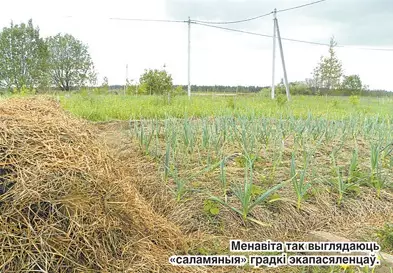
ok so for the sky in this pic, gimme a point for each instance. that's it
(218, 57)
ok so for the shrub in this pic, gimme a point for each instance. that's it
(354, 100)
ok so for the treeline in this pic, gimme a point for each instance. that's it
(223, 88)
(301, 88)
(295, 88)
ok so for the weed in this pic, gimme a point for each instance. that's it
(231, 103)
(354, 100)
(385, 237)
(211, 208)
(281, 100)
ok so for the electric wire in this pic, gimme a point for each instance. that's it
(233, 22)
(289, 39)
(301, 6)
(256, 17)
(148, 20)
(142, 20)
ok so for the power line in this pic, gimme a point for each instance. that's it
(233, 22)
(256, 17)
(289, 39)
(142, 20)
(232, 29)
(301, 6)
(211, 22)
(148, 20)
(259, 34)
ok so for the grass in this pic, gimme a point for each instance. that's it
(119, 107)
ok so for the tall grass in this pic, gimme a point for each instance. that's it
(120, 107)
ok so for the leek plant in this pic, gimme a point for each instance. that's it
(376, 180)
(244, 195)
(299, 184)
(342, 187)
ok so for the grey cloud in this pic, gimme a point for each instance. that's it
(354, 22)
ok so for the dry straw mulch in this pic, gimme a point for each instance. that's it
(65, 207)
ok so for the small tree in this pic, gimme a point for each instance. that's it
(329, 71)
(352, 83)
(156, 82)
(70, 63)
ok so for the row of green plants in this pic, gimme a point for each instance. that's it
(211, 145)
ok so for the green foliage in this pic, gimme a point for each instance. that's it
(242, 161)
(256, 190)
(265, 92)
(354, 100)
(281, 100)
(231, 103)
(223, 177)
(245, 196)
(178, 91)
(335, 103)
(354, 173)
(105, 85)
(376, 180)
(211, 207)
(156, 82)
(385, 237)
(341, 186)
(23, 56)
(299, 184)
(24, 91)
(352, 83)
(111, 106)
(329, 71)
(70, 64)
(297, 88)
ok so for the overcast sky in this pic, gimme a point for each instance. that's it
(217, 56)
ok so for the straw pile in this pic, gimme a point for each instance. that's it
(64, 206)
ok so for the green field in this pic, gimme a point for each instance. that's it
(120, 107)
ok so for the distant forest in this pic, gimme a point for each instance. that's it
(295, 88)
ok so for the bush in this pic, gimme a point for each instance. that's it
(354, 100)
(24, 91)
(281, 100)
(156, 82)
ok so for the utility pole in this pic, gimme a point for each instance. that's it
(189, 57)
(283, 61)
(274, 50)
(126, 85)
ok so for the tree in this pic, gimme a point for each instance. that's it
(156, 82)
(352, 83)
(329, 71)
(23, 56)
(70, 64)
